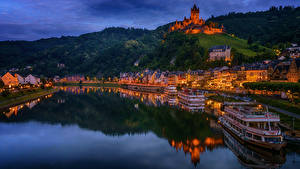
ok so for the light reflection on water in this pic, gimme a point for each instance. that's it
(70, 146)
(96, 128)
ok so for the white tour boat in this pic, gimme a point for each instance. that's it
(191, 99)
(253, 125)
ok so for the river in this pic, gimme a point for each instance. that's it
(95, 127)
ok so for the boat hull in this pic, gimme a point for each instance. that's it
(270, 146)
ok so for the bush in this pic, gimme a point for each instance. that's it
(1, 83)
(5, 93)
(273, 86)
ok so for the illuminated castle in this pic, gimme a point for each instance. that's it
(195, 25)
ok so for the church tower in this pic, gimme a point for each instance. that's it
(292, 75)
(195, 14)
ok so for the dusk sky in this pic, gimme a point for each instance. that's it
(35, 19)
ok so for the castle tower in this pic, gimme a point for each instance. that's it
(195, 14)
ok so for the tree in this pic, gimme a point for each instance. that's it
(5, 93)
(43, 80)
(1, 84)
(250, 40)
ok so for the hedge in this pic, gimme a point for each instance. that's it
(273, 86)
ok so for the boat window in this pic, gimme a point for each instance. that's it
(249, 135)
(257, 137)
(252, 125)
(273, 140)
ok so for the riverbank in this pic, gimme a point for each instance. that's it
(278, 103)
(288, 119)
(144, 88)
(21, 97)
(87, 84)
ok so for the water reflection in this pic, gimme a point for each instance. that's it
(254, 157)
(87, 89)
(150, 99)
(8, 112)
(195, 147)
(142, 119)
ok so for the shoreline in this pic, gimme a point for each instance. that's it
(144, 88)
(25, 98)
(87, 84)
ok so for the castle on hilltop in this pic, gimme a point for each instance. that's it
(195, 25)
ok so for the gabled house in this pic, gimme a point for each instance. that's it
(293, 74)
(221, 52)
(20, 79)
(30, 79)
(288, 71)
(9, 80)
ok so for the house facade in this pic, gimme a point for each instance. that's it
(222, 52)
(9, 80)
(20, 79)
(293, 74)
(288, 71)
(30, 79)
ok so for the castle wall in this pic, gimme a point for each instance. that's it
(195, 25)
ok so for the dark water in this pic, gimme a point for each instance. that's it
(114, 128)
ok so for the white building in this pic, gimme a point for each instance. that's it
(32, 80)
(20, 79)
(222, 52)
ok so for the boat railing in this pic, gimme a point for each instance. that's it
(191, 96)
(262, 131)
(272, 132)
(251, 115)
(271, 117)
(193, 99)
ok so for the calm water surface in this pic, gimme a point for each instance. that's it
(116, 128)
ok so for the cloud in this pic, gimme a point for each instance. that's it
(34, 19)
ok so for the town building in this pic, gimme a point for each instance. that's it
(21, 79)
(221, 52)
(223, 79)
(9, 80)
(293, 74)
(288, 71)
(294, 51)
(30, 79)
(219, 78)
(256, 75)
(73, 78)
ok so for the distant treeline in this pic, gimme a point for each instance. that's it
(273, 86)
(277, 26)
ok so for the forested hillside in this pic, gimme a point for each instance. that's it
(277, 25)
(115, 50)
(101, 53)
(179, 51)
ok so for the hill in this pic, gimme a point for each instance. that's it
(108, 52)
(277, 25)
(179, 51)
(100, 53)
